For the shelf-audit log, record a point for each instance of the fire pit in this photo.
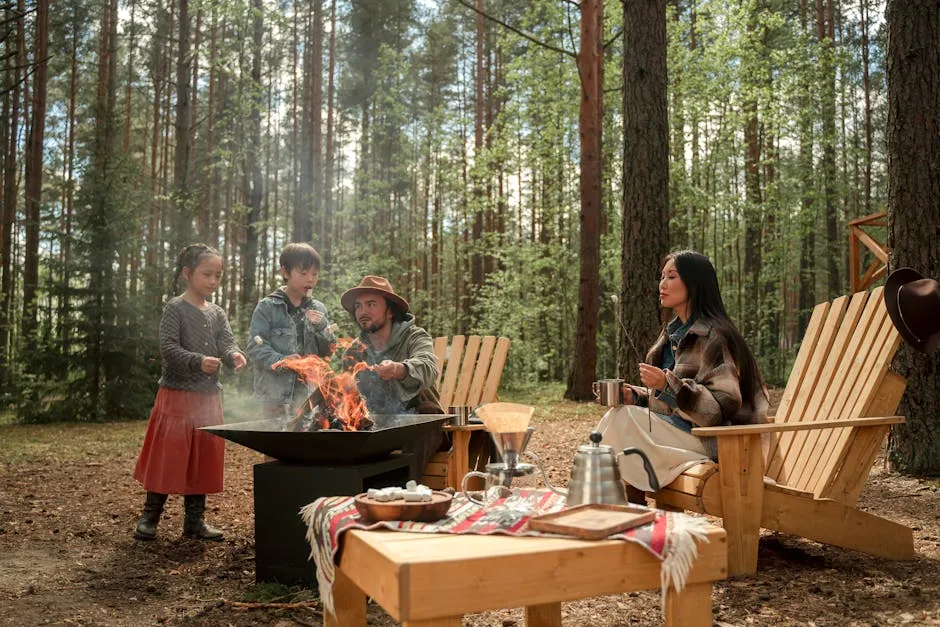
(312, 464)
(329, 447)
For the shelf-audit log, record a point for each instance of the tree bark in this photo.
(15, 48)
(645, 176)
(33, 176)
(253, 179)
(479, 199)
(913, 129)
(327, 235)
(316, 111)
(590, 126)
(866, 81)
(807, 220)
(834, 251)
(183, 227)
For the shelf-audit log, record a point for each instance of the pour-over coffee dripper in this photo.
(509, 446)
(499, 476)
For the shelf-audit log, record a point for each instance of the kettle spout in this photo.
(647, 466)
(538, 464)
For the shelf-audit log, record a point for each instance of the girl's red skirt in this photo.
(177, 457)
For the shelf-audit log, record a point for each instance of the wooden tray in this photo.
(593, 521)
(400, 509)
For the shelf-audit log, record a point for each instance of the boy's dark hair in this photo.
(190, 257)
(299, 255)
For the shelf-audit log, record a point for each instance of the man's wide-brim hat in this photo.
(372, 284)
(913, 303)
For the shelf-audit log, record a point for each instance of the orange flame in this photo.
(339, 390)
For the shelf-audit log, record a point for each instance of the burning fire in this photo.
(335, 403)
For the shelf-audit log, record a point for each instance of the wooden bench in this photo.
(834, 415)
(471, 368)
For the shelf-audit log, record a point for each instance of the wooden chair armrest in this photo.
(704, 432)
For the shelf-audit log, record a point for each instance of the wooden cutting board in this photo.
(593, 521)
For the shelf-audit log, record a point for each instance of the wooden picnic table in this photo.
(425, 579)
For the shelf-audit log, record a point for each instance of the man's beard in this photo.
(373, 327)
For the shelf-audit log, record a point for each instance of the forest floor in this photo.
(68, 505)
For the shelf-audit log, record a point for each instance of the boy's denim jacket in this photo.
(278, 334)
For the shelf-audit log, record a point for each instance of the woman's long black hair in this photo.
(701, 282)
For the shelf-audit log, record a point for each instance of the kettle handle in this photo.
(538, 463)
(647, 466)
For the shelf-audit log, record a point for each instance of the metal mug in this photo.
(608, 392)
(461, 414)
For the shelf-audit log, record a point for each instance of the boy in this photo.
(288, 323)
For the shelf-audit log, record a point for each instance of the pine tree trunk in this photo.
(645, 176)
(66, 313)
(866, 80)
(33, 176)
(590, 125)
(316, 110)
(303, 210)
(327, 235)
(913, 129)
(253, 179)
(183, 223)
(750, 278)
(807, 220)
(834, 246)
(154, 236)
(206, 226)
(131, 48)
(476, 260)
(11, 117)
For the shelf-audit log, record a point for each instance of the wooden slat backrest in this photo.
(773, 458)
(782, 463)
(451, 370)
(855, 377)
(479, 372)
(495, 374)
(875, 371)
(843, 384)
(467, 367)
(836, 376)
(846, 481)
(470, 368)
(440, 351)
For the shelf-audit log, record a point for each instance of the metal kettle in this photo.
(595, 476)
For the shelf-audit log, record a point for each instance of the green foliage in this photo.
(410, 185)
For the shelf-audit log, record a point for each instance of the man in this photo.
(405, 368)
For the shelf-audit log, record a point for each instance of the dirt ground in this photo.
(68, 505)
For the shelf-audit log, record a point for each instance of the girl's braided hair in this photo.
(190, 257)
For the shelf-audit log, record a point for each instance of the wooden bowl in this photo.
(400, 509)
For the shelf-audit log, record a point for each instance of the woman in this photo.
(700, 373)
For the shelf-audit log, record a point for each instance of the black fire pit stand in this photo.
(281, 489)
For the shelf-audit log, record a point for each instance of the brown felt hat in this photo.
(913, 303)
(372, 284)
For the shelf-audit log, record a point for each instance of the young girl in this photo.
(178, 458)
(701, 374)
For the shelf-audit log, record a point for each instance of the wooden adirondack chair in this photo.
(834, 415)
(471, 369)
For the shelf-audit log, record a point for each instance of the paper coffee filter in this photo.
(505, 417)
